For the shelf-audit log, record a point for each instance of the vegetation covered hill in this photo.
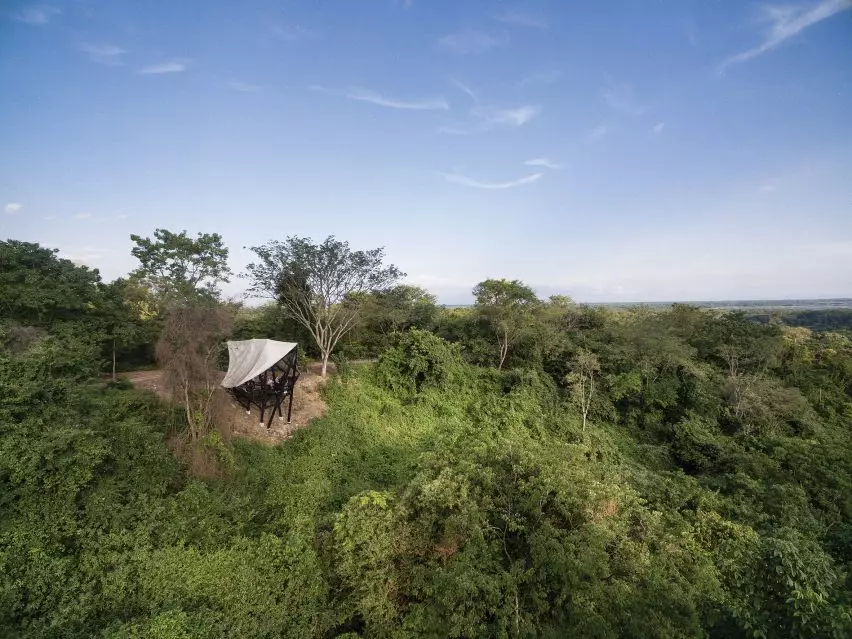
(522, 468)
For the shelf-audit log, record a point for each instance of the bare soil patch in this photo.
(308, 404)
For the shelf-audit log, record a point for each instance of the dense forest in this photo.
(519, 468)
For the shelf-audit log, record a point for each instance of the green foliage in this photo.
(270, 322)
(506, 306)
(418, 360)
(320, 286)
(709, 494)
(37, 288)
(178, 267)
(386, 313)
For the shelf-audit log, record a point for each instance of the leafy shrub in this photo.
(417, 361)
(698, 445)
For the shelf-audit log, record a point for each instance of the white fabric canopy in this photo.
(249, 358)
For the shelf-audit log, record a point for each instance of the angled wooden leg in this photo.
(276, 407)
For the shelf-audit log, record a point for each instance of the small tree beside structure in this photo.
(188, 351)
(184, 274)
(321, 286)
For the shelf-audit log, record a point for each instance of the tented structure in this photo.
(262, 373)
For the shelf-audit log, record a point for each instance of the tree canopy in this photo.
(38, 288)
(505, 305)
(640, 472)
(177, 266)
(321, 286)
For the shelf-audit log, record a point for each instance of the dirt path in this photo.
(308, 404)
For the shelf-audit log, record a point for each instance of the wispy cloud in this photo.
(177, 65)
(366, 95)
(243, 87)
(292, 32)
(13, 207)
(82, 216)
(37, 15)
(455, 178)
(465, 89)
(770, 186)
(598, 132)
(48, 218)
(658, 127)
(522, 19)
(540, 77)
(470, 41)
(506, 117)
(121, 216)
(543, 162)
(785, 21)
(106, 54)
(487, 118)
(620, 96)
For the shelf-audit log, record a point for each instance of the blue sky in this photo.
(613, 151)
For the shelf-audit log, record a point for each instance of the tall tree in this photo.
(321, 286)
(584, 368)
(506, 306)
(178, 267)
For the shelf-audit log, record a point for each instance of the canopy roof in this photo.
(249, 358)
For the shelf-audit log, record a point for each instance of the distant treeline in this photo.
(835, 319)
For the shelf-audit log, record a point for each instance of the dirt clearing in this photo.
(308, 404)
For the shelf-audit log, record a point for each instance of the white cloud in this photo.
(121, 216)
(658, 127)
(466, 181)
(487, 118)
(366, 95)
(470, 41)
(292, 32)
(620, 96)
(49, 218)
(82, 216)
(540, 77)
(598, 132)
(38, 15)
(522, 19)
(784, 22)
(243, 87)
(506, 117)
(107, 54)
(465, 89)
(769, 186)
(543, 162)
(171, 66)
(13, 207)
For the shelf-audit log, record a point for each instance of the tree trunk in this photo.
(324, 363)
(504, 349)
